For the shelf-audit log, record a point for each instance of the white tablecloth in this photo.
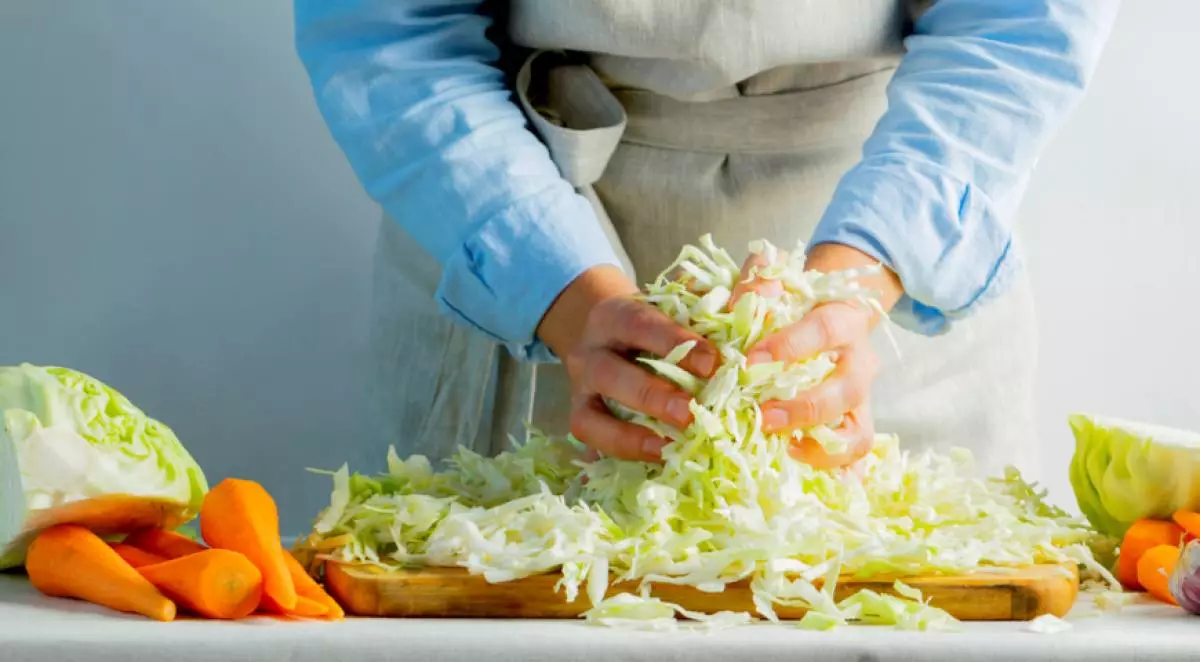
(37, 629)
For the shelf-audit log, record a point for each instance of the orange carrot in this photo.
(135, 556)
(1189, 520)
(308, 587)
(305, 608)
(69, 561)
(311, 600)
(309, 608)
(1143, 535)
(164, 543)
(1154, 571)
(217, 583)
(241, 516)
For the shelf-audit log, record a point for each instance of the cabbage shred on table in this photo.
(727, 504)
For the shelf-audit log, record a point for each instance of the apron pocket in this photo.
(575, 114)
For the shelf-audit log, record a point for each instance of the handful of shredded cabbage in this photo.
(728, 503)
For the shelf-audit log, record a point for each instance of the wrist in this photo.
(565, 320)
(830, 257)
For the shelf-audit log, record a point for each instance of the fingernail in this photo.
(759, 356)
(679, 410)
(775, 419)
(652, 447)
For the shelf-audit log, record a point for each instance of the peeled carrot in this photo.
(305, 608)
(1142, 536)
(69, 561)
(135, 556)
(1154, 571)
(309, 608)
(308, 587)
(241, 516)
(217, 583)
(164, 543)
(1189, 520)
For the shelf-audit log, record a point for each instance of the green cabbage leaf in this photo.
(1123, 471)
(67, 442)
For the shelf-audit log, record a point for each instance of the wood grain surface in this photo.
(453, 593)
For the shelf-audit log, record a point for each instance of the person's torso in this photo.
(731, 117)
(709, 49)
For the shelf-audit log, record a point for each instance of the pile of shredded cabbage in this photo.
(727, 504)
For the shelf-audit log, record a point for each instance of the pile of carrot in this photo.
(1150, 550)
(242, 570)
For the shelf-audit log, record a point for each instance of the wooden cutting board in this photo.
(453, 593)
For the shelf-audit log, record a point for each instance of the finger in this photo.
(765, 288)
(643, 327)
(615, 377)
(859, 430)
(593, 424)
(846, 388)
(827, 327)
(685, 278)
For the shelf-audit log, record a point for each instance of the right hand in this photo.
(597, 328)
(837, 326)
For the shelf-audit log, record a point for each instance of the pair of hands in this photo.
(596, 326)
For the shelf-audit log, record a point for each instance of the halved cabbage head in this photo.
(1124, 471)
(74, 449)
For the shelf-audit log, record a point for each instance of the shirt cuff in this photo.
(943, 237)
(505, 276)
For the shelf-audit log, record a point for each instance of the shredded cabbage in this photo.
(727, 504)
(646, 612)
(1048, 624)
(1113, 600)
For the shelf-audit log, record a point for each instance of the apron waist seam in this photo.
(729, 149)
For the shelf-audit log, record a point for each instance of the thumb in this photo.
(858, 428)
(748, 283)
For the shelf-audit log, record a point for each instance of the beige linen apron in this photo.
(735, 117)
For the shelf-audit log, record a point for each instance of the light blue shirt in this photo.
(412, 93)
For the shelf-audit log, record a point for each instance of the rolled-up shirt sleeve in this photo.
(412, 94)
(979, 92)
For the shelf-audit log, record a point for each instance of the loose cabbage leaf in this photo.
(1048, 624)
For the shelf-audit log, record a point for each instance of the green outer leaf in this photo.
(1123, 471)
(52, 418)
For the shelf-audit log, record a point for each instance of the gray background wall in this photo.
(175, 220)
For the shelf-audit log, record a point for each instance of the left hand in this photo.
(841, 327)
